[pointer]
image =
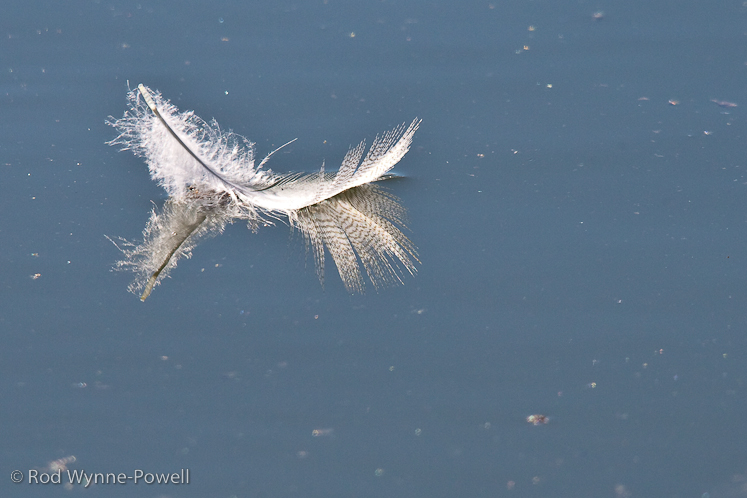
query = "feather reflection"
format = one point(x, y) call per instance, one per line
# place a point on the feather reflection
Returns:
point(361, 226)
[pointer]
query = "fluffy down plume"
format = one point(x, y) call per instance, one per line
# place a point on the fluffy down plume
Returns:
point(211, 178)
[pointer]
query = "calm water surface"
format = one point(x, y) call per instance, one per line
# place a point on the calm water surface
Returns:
point(577, 199)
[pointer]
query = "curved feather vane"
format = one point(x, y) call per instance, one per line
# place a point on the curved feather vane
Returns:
point(211, 179)
point(303, 191)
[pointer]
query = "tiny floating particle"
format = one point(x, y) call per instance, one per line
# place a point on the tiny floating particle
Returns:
point(622, 492)
point(537, 419)
point(723, 103)
point(60, 464)
point(674, 102)
point(322, 432)
point(598, 15)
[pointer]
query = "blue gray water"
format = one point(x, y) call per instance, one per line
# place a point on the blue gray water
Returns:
point(579, 205)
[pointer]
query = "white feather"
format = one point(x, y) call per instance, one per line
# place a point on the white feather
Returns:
point(211, 178)
point(183, 151)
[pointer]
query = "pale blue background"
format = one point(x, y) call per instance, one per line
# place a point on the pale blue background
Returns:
point(570, 235)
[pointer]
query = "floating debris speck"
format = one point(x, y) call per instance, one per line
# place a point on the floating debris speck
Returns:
point(537, 419)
